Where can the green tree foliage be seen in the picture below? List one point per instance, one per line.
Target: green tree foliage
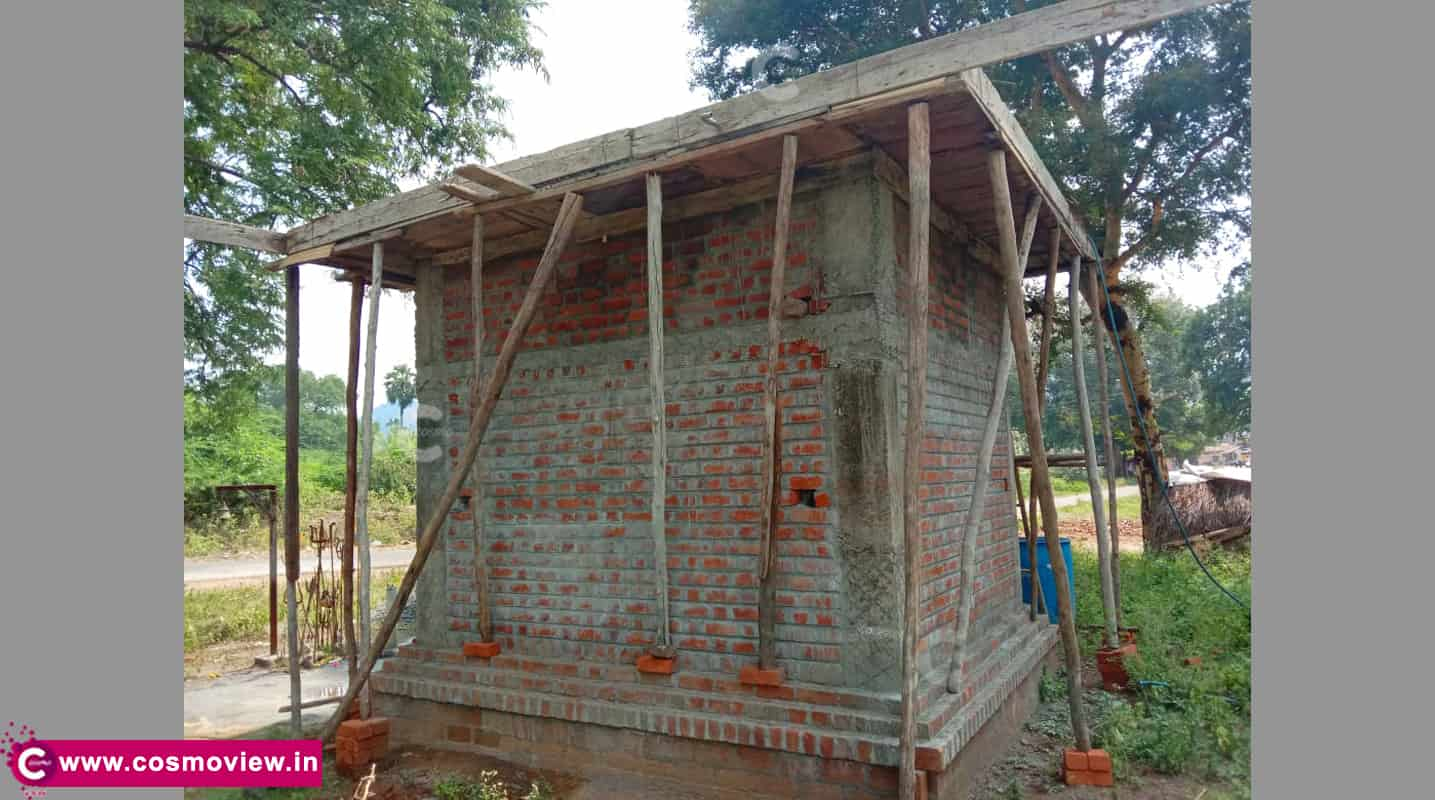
(296, 109)
(400, 389)
(1150, 127)
(1217, 346)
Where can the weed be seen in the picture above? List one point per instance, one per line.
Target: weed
(487, 787)
(240, 613)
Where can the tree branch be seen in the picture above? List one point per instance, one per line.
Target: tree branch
(1142, 165)
(219, 51)
(1142, 243)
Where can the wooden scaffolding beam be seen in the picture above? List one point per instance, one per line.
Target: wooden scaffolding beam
(476, 502)
(1098, 342)
(233, 234)
(366, 460)
(351, 471)
(1006, 230)
(1088, 441)
(291, 488)
(658, 414)
(919, 174)
(772, 415)
(482, 415)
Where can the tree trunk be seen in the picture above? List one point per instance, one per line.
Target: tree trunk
(1140, 404)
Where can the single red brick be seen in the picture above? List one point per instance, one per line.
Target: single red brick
(929, 759)
(459, 733)
(481, 649)
(1193, 661)
(1098, 761)
(753, 675)
(653, 665)
(1074, 760)
(801, 482)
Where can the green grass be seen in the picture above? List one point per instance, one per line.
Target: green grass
(1199, 723)
(241, 613)
(1067, 480)
(391, 521)
(487, 787)
(1126, 508)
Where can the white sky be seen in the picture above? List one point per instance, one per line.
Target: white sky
(607, 71)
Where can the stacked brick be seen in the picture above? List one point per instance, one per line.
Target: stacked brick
(360, 742)
(1089, 768)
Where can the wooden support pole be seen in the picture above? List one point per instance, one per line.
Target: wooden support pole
(919, 176)
(291, 485)
(771, 446)
(1029, 519)
(1098, 342)
(1088, 441)
(1048, 307)
(273, 514)
(493, 387)
(657, 405)
(475, 503)
(975, 512)
(977, 509)
(1006, 230)
(351, 471)
(366, 460)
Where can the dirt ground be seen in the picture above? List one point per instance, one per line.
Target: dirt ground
(1082, 532)
(223, 658)
(1032, 764)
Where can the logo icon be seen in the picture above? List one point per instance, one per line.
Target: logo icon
(30, 760)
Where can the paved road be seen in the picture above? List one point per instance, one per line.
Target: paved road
(242, 702)
(247, 569)
(1073, 499)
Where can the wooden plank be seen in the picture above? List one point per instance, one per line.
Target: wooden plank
(980, 88)
(308, 254)
(771, 447)
(476, 503)
(781, 109)
(464, 190)
(1048, 305)
(1098, 342)
(218, 231)
(919, 173)
(366, 460)
(657, 411)
(291, 486)
(490, 178)
(482, 415)
(351, 471)
(1088, 441)
(977, 508)
(1016, 306)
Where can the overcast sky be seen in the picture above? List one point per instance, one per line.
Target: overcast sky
(607, 72)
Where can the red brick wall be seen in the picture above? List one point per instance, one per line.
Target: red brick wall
(964, 310)
(566, 461)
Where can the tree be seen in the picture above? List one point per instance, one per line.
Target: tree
(1151, 127)
(298, 108)
(399, 386)
(1217, 346)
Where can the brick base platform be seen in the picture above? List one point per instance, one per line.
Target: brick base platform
(711, 731)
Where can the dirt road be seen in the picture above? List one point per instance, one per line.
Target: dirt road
(214, 572)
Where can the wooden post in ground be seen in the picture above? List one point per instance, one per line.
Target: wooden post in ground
(919, 193)
(351, 472)
(272, 515)
(475, 503)
(562, 230)
(1006, 230)
(1098, 341)
(1029, 519)
(1048, 305)
(657, 405)
(771, 447)
(975, 511)
(366, 460)
(291, 487)
(1088, 441)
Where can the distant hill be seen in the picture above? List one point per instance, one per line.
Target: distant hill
(386, 413)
